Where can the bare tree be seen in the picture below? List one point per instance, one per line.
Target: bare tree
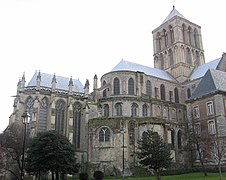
(11, 142)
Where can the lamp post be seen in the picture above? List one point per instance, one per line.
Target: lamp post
(25, 117)
(123, 152)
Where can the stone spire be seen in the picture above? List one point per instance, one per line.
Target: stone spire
(95, 79)
(38, 81)
(86, 88)
(54, 83)
(70, 85)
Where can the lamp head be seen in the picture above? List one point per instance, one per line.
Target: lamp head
(25, 117)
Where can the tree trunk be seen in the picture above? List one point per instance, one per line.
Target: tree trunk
(201, 159)
(158, 177)
(219, 169)
(57, 175)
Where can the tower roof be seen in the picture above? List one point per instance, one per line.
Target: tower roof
(172, 14)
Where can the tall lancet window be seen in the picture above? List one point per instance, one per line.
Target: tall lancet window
(196, 38)
(162, 91)
(30, 110)
(60, 115)
(131, 86)
(148, 88)
(43, 114)
(171, 34)
(116, 86)
(77, 108)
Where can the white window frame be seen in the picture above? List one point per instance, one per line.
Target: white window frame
(196, 112)
(211, 127)
(209, 108)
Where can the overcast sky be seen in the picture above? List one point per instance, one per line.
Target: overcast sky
(81, 38)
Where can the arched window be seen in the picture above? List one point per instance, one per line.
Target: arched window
(118, 108)
(171, 35)
(104, 134)
(165, 38)
(104, 82)
(106, 110)
(60, 114)
(43, 114)
(116, 86)
(131, 86)
(176, 95)
(134, 110)
(145, 110)
(148, 88)
(179, 139)
(188, 93)
(162, 91)
(171, 56)
(188, 55)
(77, 108)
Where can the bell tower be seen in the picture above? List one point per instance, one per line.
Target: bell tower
(178, 46)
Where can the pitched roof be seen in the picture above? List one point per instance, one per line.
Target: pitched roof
(201, 70)
(172, 14)
(129, 66)
(62, 82)
(212, 82)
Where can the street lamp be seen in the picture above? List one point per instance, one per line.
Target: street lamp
(25, 116)
(123, 152)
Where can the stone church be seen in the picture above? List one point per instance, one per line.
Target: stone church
(180, 95)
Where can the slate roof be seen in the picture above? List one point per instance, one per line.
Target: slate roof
(212, 82)
(173, 13)
(124, 65)
(201, 70)
(62, 82)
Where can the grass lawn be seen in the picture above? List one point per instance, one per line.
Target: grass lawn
(193, 176)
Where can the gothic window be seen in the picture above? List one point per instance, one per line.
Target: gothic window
(118, 108)
(134, 110)
(131, 86)
(188, 93)
(43, 113)
(148, 88)
(162, 91)
(179, 139)
(209, 108)
(104, 83)
(171, 56)
(106, 110)
(104, 134)
(211, 127)
(165, 38)
(188, 55)
(116, 86)
(145, 110)
(60, 115)
(176, 95)
(171, 34)
(77, 108)
(172, 137)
